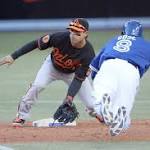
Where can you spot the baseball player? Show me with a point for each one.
(68, 61)
(116, 71)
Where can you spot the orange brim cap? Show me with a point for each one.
(76, 29)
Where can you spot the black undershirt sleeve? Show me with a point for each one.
(74, 87)
(25, 49)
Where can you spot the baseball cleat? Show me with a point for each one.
(106, 113)
(119, 121)
(17, 122)
(93, 114)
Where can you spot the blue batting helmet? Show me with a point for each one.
(132, 28)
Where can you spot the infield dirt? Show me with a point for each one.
(90, 130)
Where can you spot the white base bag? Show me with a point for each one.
(50, 122)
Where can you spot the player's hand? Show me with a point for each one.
(6, 60)
(67, 112)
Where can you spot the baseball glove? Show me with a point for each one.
(67, 112)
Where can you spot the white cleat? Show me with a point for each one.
(118, 123)
(106, 107)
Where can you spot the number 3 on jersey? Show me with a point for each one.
(123, 45)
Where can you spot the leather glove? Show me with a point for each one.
(66, 112)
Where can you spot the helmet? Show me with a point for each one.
(132, 28)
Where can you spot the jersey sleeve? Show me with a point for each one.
(44, 42)
(95, 64)
(24, 49)
(47, 41)
(50, 40)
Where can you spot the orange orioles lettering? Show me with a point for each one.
(63, 60)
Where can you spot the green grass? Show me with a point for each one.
(14, 82)
(83, 145)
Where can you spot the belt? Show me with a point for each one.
(129, 61)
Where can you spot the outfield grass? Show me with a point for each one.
(14, 82)
(82, 146)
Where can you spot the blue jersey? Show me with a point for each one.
(135, 50)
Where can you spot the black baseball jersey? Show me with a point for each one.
(65, 57)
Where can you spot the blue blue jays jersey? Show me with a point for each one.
(135, 50)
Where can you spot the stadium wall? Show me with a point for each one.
(60, 24)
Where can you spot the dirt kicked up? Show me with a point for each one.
(90, 130)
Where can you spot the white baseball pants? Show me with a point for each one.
(120, 80)
(45, 76)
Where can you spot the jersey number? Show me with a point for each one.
(123, 45)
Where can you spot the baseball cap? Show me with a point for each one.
(79, 24)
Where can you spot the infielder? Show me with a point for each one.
(117, 70)
(68, 61)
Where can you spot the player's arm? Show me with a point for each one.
(76, 83)
(19, 52)
(73, 89)
(94, 66)
(25, 49)
(42, 43)
(67, 111)
(80, 74)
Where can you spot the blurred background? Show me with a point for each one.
(103, 14)
(47, 9)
